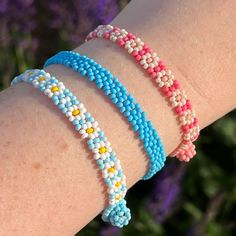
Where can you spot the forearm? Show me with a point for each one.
(49, 186)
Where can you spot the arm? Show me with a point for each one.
(49, 186)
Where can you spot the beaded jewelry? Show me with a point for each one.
(164, 78)
(122, 99)
(117, 213)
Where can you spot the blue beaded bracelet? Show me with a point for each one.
(123, 100)
(117, 213)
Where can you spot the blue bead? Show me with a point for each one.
(114, 100)
(77, 126)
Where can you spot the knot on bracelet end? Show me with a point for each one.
(184, 152)
(118, 214)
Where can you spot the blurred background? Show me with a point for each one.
(194, 199)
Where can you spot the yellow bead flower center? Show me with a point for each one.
(111, 170)
(76, 112)
(41, 78)
(90, 130)
(102, 150)
(118, 197)
(118, 184)
(54, 89)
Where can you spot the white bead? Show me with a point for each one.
(142, 62)
(71, 118)
(63, 101)
(130, 50)
(47, 91)
(109, 27)
(111, 175)
(84, 126)
(68, 100)
(84, 135)
(151, 65)
(112, 202)
(105, 175)
(111, 190)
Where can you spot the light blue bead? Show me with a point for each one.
(75, 122)
(77, 126)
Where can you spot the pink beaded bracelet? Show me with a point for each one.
(164, 78)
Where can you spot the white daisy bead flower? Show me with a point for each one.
(102, 150)
(165, 78)
(187, 117)
(117, 183)
(149, 60)
(54, 89)
(90, 130)
(134, 45)
(110, 171)
(114, 36)
(178, 98)
(75, 111)
(100, 32)
(41, 79)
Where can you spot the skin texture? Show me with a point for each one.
(48, 182)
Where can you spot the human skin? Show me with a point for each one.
(48, 183)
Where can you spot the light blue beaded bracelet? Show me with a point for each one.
(123, 100)
(117, 213)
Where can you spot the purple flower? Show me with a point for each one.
(106, 10)
(109, 230)
(3, 6)
(166, 191)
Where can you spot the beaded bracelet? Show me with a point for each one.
(117, 213)
(164, 78)
(122, 99)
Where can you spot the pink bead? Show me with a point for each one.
(178, 109)
(172, 88)
(185, 129)
(121, 42)
(116, 29)
(157, 69)
(142, 52)
(153, 75)
(168, 94)
(176, 84)
(165, 89)
(150, 70)
(138, 57)
(106, 35)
